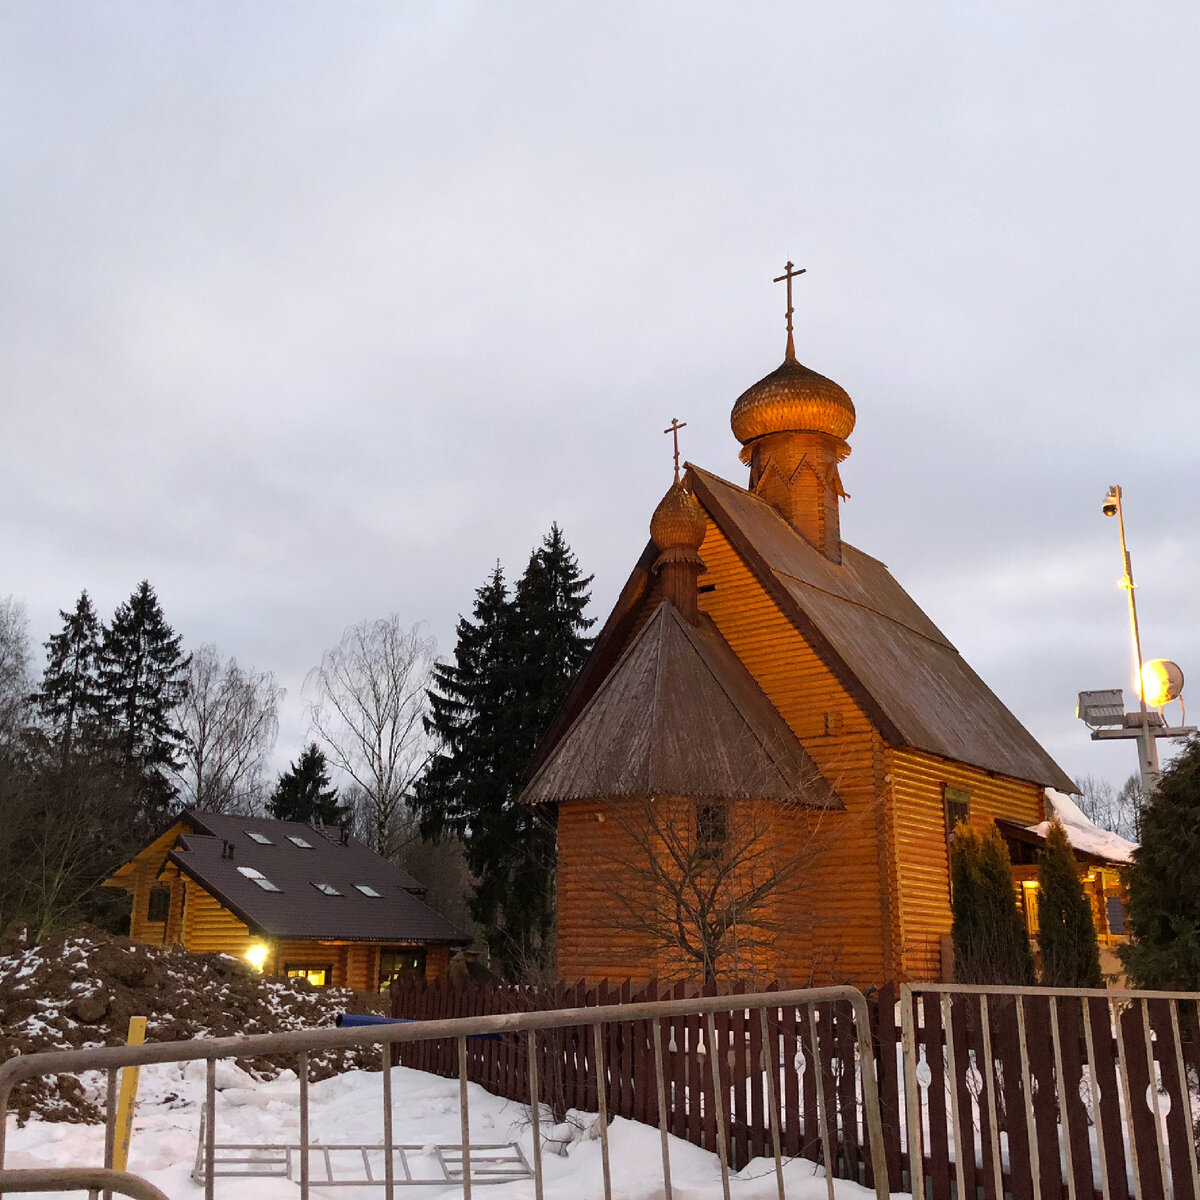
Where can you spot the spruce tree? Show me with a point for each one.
(70, 700)
(1066, 931)
(990, 944)
(1164, 883)
(303, 792)
(143, 676)
(514, 661)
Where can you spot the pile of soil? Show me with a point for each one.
(79, 987)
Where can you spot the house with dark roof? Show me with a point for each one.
(755, 658)
(292, 899)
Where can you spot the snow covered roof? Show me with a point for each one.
(1082, 834)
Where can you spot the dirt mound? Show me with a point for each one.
(79, 987)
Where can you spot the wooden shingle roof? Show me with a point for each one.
(679, 715)
(909, 679)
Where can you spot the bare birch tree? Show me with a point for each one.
(368, 707)
(229, 719)
(14, 669)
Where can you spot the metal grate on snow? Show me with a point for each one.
(338, 1165)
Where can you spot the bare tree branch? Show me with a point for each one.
(229, 721)
(368, 707)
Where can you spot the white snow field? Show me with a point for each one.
(347, 1109)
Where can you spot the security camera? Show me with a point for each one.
(1111, 502)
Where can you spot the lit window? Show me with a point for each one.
(260, 838)
(368, 890)
(327, 889)
(299, 841)
(259, 878)
(317, 976)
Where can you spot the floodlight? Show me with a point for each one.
(1162, 681)
(1104, 707)
(256, 956)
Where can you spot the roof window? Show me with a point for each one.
(259, 878)
(299, 841)
(260, 838)
(326, 889)
(368, 890)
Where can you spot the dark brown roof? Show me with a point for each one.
(298, 909)
(911, 680)
(679, 715)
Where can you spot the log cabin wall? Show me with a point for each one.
(841, 924)
(918, 782)
(208, 927)
(594, 941)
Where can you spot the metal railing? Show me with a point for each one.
(303, 1042)
(1048, 1068)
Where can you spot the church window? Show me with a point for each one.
(958, 808)
(712, 829)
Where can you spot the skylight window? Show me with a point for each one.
(368, 890)
(259, 878)
(299, 841)
(327, 889)
(260, 838)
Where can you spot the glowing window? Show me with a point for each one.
(327, 889)
(368, 890)
(259, 878)
(299, 841)
(318, 976)
(260, 838)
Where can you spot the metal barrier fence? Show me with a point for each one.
(1045, 1093)
(766, 1009)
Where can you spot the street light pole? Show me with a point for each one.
(1147, 747)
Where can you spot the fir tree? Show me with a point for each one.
(1066, 931)
(303, 792)
(70, 700)
(1164, 882)
(990, 945)
(513, 663)
(143, 676)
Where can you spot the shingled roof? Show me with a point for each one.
(907, 676)
(679, 715)
(293, 858)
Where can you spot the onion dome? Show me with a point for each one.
(678, 523)
(792, 399)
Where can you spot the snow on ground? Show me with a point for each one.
(347, 1109)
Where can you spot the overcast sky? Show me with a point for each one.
(312, 312)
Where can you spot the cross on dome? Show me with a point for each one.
(674, 428)
(789, 274)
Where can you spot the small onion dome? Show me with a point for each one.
(678, 522)
(792, 399)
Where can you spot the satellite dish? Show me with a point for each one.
(1162, 681)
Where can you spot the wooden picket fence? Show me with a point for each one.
(999, 1090)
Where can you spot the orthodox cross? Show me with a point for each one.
(673, 429)
(789, 274)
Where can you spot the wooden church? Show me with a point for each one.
(771, 743)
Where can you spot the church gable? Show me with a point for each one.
(679, 715)
(907, 676)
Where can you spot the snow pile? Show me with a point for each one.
(347, 1110)
(1082, 834)
(79, 988)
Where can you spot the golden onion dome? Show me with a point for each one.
(679, 521)
(792, 399)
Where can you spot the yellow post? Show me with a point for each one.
(127, 1098)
